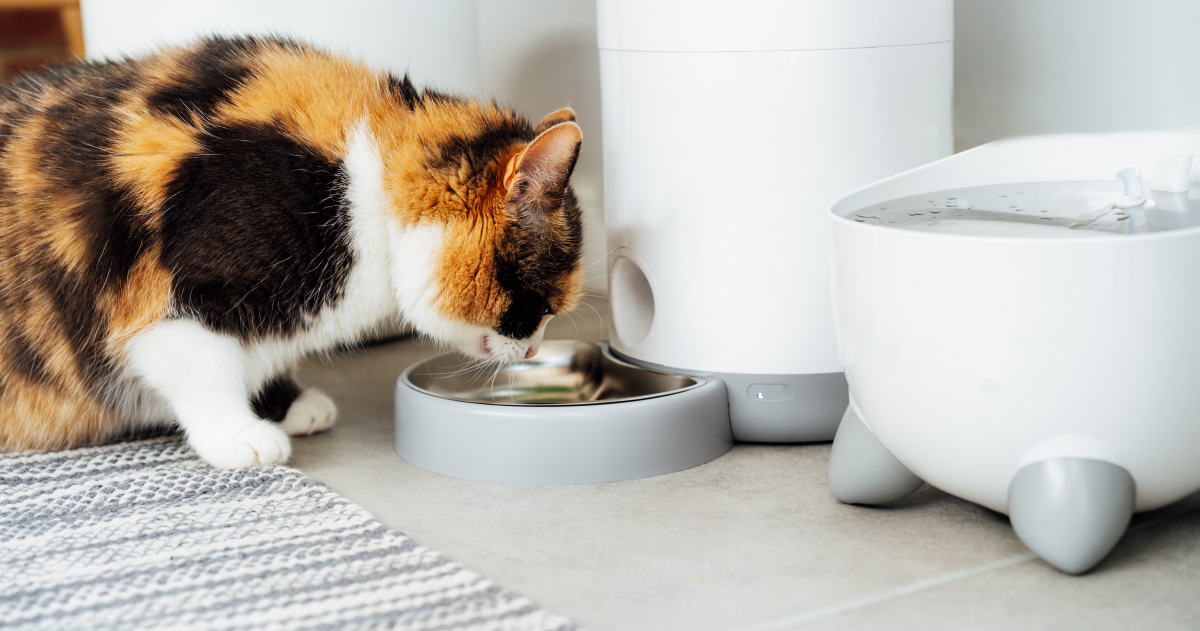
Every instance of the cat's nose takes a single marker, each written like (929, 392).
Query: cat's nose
(535, 342)
(483, 345)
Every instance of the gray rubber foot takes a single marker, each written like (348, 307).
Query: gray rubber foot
(1071, 511)
(861, 471)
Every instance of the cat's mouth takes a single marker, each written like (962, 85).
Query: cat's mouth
(484, 349)
(505, 349)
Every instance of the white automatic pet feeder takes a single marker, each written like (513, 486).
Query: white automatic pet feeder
(1018, 328)
(728, 129)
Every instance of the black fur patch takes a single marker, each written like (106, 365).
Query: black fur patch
(78, 140)
(23, 356)
(534, 264)
(523, 316)
(255, 237)
(116, 238)
(480, 152)
(403, 90)
(440, 98)
(216, 70)
(10, 112)
(273, 401)
(75, 302)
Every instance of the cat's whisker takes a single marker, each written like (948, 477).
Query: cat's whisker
(599, 318)
(461, 369)
(595, 278)
(471, 365)
(511, 394)
(489, 362)
(611, 275)
(484, 364)
(495, 374)
(571, 317)
(491, 382)
(605, 257)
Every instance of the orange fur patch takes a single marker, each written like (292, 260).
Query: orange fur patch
(140, 303)
(474, 226)
(316, 96)
(466, 274)
(148, 149)
(43, 206)
(38, 417)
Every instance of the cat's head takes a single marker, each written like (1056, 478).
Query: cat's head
(499, 233)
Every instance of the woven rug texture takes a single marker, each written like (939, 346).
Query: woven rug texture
(144, 535)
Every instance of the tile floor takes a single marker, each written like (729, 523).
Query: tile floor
(750, 541)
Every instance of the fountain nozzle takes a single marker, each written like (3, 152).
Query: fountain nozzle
(1131, 186)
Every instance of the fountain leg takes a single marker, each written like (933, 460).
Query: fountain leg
(1071, 511)
(861, 471)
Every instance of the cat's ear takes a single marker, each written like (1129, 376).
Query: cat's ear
(565, 115)
(543, 168)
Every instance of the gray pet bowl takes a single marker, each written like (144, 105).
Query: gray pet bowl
(572, 414)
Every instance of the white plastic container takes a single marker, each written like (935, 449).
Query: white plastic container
(728, 128)
(1052, 374)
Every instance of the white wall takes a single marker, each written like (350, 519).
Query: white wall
(434, 40)
(1047, 66)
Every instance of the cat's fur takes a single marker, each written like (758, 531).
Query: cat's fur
(178, 231)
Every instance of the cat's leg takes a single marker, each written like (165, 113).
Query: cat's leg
(275, 397)
(312, 412)
(202, 375)
(301, 412)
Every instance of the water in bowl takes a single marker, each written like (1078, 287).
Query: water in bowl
(1082, 209)
(564, 372)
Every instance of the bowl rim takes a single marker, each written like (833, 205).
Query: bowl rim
(605, 351)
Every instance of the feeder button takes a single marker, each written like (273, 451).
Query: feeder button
(770, 392)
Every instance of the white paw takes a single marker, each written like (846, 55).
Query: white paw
(259, 443)
(310, 413)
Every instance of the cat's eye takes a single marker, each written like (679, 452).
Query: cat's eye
(547, 311)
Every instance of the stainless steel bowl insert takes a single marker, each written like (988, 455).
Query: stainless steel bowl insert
(564, 372)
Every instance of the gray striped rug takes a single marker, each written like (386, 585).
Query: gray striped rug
(144, 535)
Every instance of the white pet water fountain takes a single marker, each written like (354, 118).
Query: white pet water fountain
(1018, 325)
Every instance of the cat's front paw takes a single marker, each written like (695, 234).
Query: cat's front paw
(310, 413)
(259, 443)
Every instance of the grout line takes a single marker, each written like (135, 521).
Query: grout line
(936, 581)
(874, 599)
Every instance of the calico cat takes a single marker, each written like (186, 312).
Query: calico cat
(178, 231)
